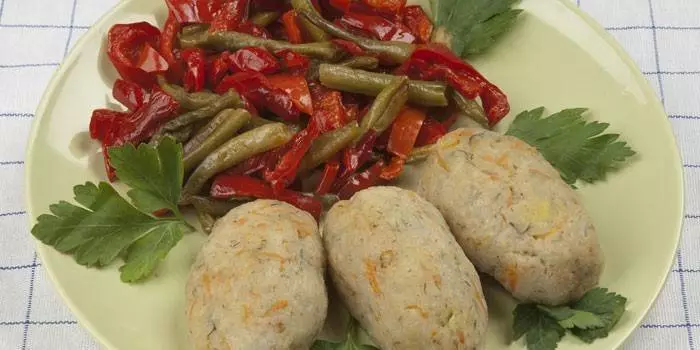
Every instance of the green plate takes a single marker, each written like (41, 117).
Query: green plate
(556, 57)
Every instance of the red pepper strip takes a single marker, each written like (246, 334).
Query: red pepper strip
(290, 21)
(258, 89)
(251, 166)
(296, 87)
(292, 60)
(404, 132)
(430, 133)
(195, 76)
(463, 77)
(393, 169)
(383, 140)
(329, 111)
(360, 181)
(356, 156)
(230, 15)
(253, 29)
(386, 6)
(218, 67)
(288, 166)
(349, 47)
(130, 48)
(129, 94)
(102, 121)
(451, 120)
(378, 27)
(188, 11)
(254, 59)
(418, 22)
(342, 5)
(330, 174)
(227, 186)
(167, 47)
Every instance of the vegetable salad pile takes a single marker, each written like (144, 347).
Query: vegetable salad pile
(265, 95)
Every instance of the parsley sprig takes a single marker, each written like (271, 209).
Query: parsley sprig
(590, 318)
(105, 226)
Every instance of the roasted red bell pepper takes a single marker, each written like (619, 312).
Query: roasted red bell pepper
(418, 22)
(288, 166)
(290, 21)
(328, 178)
(356, 156)
(292, 61)
(377, 27)
(189, 11)
(254, 59)
(102, 122)
(360, 181)
(437, 62)
(295, 85)
(430, 133)
(168, 39)
(259, 91)
(131, 95)
(227, 186)
(392, 170)
(329, 111)
(218, 67)
(231, 14)
(342, 5)
(350, 47)
(386, 6)
(131, 49)
(404, 132)
(195, 76)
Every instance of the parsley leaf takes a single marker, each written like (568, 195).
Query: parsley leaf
(590, 318)
(351, 341)
(472, 26)
(155, 174)
(105, 226)
(577, 148)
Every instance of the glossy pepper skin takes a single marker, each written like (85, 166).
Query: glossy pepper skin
(259, 91)
(378, 27)
(358, 155)
(404, 132)
(195, 77)
(168, 40)
(418, 22)
(131, 95)
(132, 50)
(230, 15)
(430, 132)
(254, 59)
(330, 174)
(360, 181)
(288, 166)
(297, 87)
(292, 61)
(329, 111)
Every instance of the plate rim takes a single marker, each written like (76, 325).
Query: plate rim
(609, 39)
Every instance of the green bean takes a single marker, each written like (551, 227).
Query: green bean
(181, 135)
(212, 206)
(395, 52)
(328, 145)
(361, 62)
(230, 99)
(386, 106)
(234, 41)
(316, 33)
(235, 151)
(219, 130)
(420, 153)
(257, 121)
(264, 19)
(424, 93)
(194, 28)
(189, 101)
(206, 221)
(470, 108)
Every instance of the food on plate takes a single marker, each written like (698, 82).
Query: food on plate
(513, 215)
(402, 274)
(258, 281)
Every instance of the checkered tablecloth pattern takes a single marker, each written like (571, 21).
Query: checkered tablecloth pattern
(663, 36)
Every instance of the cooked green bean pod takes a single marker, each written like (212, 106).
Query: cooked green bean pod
(395, 52)
(194, 28)
(361, 62)
(420, 153)
(424, 93)
(181, 135)
(264, 19)
(219, 130)
(317, 34)
(206, 220)
(234, 41)
(256, 121)
(189, 101)
(235, 151)
(386, 106)
(212, 206)
(230, 99)
(470, 108)
(329, 144)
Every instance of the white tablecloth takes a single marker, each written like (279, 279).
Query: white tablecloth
(663, 36)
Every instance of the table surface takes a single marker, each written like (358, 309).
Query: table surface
(663, 36)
